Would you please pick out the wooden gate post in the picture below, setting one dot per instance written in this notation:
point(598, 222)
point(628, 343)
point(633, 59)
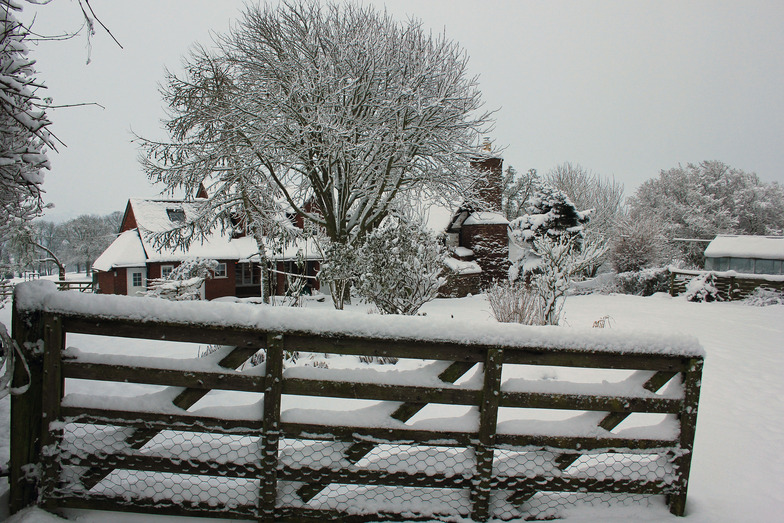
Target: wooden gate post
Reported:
point(273, 388)
point(488, 419)
point(26, 409)
point(52, 395)
point(692, 379)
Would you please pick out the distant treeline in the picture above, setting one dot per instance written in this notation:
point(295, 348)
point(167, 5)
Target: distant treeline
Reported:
point(42, 245)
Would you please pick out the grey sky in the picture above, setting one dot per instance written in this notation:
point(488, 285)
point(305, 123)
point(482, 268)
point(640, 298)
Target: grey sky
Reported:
point(623, 88)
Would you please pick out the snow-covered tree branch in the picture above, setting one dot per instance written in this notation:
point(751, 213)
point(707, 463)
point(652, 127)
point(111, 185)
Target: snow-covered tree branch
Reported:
point(24, 134)
point(701, 201)
point(333, 112)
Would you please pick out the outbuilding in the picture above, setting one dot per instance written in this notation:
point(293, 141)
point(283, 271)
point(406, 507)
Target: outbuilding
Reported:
point(745, 254)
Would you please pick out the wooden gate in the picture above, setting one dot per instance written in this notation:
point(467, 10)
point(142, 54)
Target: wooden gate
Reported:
point(260, 461)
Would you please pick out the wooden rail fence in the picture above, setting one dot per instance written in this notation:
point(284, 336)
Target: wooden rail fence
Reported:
point(730, 286)
point(263, 461)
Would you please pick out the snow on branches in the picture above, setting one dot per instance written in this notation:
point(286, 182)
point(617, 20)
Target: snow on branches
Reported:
point(400, 267)
point(336, 110)
point(184, 283)
point(24, 137)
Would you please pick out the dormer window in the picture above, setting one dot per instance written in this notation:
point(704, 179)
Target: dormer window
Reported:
point(176, 215)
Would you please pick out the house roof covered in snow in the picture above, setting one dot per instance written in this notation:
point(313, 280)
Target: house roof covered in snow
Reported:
point(731, 246)
point(158, 216)
point(485, 218)
point(125, 251)
point(135, 249)
point(145, 219)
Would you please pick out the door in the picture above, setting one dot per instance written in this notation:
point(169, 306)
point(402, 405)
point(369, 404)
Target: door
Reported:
point(137, 281)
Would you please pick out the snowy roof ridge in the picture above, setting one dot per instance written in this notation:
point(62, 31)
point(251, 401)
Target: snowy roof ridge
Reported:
point(154, 215)
point(746, 246)
point(43, 295)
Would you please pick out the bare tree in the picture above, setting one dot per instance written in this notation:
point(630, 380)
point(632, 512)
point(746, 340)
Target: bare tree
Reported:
point(334, 111)
point(588, 190)
point(518, 188)
point(86, 237)
point(34, 245)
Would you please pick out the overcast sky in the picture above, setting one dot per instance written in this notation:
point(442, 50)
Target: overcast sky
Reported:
point(623, 88)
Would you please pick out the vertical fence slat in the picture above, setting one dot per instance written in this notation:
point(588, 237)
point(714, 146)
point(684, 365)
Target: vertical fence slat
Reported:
point(488, 420)
point(688, 419)
point(271, 427)
point(54, 342)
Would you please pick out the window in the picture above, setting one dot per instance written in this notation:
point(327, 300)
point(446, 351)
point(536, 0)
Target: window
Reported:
point(220, 271)
point(765, 267)
point(176, 215)
point(742, 265)
point(245, 275)
point(136, 279)
point(166, 271)
point(717, 264)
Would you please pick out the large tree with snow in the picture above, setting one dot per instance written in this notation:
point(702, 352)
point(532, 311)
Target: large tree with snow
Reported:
point(332, 111)
point(700, 201)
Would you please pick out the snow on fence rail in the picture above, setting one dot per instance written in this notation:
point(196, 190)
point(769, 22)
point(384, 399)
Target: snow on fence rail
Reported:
point(279, 457)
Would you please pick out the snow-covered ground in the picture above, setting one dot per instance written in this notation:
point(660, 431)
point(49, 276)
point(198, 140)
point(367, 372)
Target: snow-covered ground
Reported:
point(738, 461)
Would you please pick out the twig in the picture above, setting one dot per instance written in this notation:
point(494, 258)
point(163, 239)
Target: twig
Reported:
point(87, 2)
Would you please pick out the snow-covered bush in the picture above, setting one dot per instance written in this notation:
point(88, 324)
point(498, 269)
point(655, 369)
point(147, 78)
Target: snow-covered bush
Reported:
point(645, 282)
point(338, 271)
point(763, 297)
point(589, 190)
point(638, 244)
point(702, 288)
point(551, 239)
point(550, 214)
point(515, 303)
point(400, 267)
point(559, 261)
point(184, 282)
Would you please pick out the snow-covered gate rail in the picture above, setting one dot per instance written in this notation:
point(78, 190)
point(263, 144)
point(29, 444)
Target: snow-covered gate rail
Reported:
point(157, 453)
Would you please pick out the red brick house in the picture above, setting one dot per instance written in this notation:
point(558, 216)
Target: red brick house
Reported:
point(134, 257)
point(476, 236)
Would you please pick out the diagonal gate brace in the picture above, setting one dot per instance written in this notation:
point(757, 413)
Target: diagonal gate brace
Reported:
point(184, 400)
point(404, 412)
point(609, 422)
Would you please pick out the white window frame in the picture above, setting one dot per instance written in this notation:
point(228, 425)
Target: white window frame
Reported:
point(134, 274)
point(166, 271)
point(221, 271)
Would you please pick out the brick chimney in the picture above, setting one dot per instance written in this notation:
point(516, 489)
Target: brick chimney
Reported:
point(490, 187)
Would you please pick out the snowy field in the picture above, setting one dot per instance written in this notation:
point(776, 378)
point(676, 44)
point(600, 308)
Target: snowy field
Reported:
point(738, 459)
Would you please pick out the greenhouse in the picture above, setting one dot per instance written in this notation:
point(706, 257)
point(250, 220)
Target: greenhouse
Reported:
point(746, 254)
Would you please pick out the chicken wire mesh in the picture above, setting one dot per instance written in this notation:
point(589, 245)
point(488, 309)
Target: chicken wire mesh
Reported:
point(525, 482)
point(91, 461)
point(428, 465)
